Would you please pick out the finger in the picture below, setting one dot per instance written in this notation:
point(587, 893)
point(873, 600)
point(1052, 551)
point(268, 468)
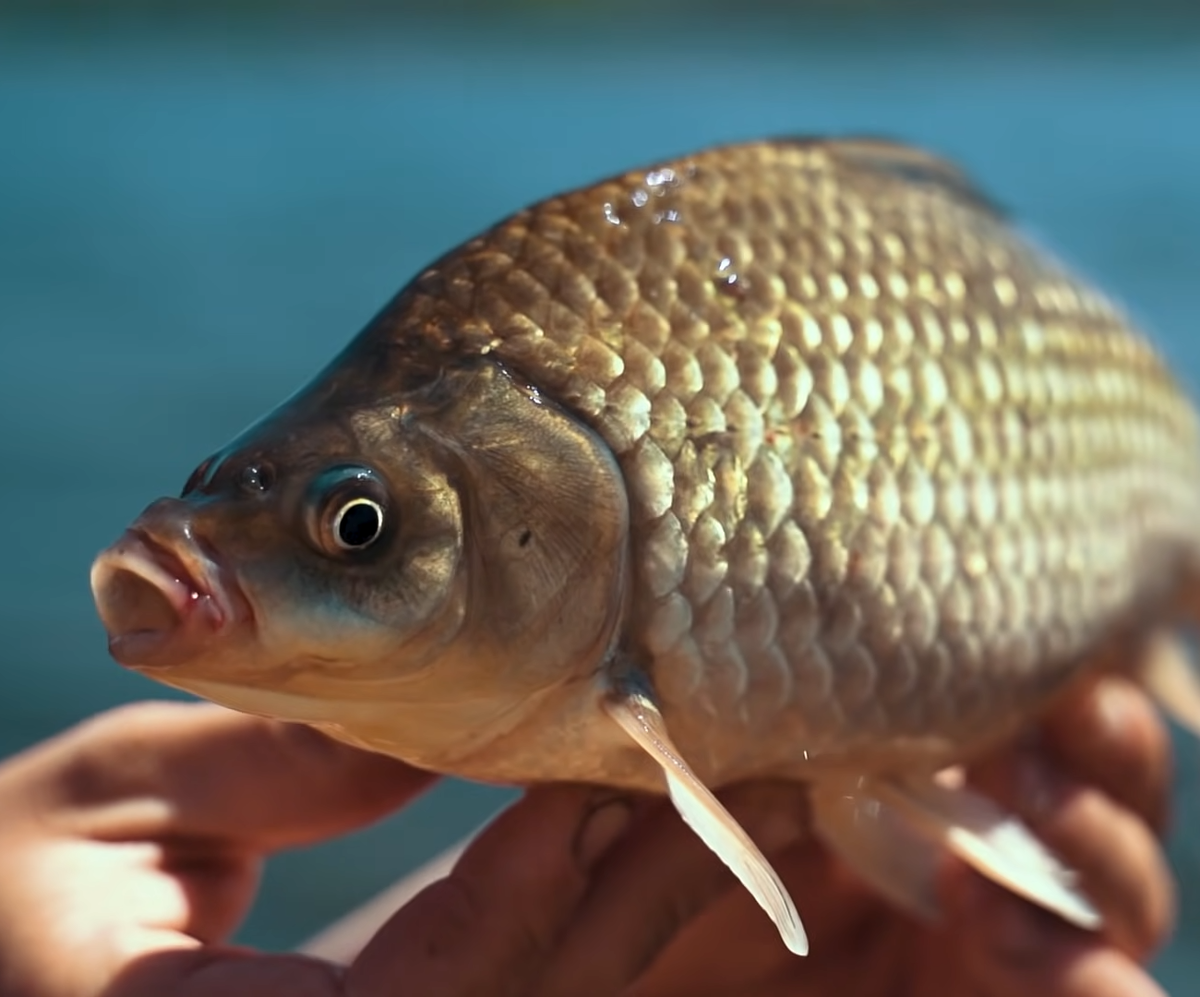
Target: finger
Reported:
point(1119, 861)
point(194, 771)
point(1110, 736)
point(1012, 949)
point(140, 962)
point(221, 972)
point(491, 925)
point(655, 883)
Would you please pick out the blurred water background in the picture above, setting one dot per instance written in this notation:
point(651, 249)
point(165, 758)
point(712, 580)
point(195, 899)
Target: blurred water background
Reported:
point(197, 210)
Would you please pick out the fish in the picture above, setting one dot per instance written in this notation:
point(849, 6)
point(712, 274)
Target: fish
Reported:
point(792, 459)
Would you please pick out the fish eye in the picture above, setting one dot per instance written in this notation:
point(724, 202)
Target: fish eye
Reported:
point(357, 524)
point(348, 510)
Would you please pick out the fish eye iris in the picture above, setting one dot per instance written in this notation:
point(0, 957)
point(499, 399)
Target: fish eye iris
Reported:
point(346, 510)
point(358, 524)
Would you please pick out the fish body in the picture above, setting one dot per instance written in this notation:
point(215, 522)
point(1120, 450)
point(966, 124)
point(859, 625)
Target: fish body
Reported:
point(792, 458)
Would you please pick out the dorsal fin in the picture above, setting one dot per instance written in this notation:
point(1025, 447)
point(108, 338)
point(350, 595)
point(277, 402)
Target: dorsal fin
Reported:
point(909, 163)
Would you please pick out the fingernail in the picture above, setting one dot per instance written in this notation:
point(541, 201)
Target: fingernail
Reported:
point(1113, 705)
point(603, 825)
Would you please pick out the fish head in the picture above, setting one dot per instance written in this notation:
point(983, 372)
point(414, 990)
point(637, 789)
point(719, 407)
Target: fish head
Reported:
point(412, 569)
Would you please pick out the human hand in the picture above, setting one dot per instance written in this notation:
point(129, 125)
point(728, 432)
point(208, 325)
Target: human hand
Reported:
point(1093, 787)
point(130, 848)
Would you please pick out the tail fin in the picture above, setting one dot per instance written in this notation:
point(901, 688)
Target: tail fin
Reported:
point(1167, 673)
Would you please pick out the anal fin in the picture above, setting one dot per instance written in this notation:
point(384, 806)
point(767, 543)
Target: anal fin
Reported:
point(936, 819)
point(634, 709)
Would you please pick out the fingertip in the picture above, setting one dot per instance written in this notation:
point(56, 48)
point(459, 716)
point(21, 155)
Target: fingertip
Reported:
point(1113, 711)
point(1015, 949)
point(1110, 734)
point(1120, 863)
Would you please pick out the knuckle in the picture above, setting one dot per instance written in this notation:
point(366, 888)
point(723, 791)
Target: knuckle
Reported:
point(450, 914)
point(136, 721)
point(511, 942)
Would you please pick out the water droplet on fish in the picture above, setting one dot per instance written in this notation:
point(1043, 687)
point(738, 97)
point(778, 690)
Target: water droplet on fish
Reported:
point(659, 180)
point(639, 198)
point(727, 282)
point(610, 214)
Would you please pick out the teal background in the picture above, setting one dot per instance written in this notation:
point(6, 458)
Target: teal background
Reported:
point(196, 211)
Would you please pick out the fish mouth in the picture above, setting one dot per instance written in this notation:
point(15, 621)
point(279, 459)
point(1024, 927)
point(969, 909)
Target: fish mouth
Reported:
point(163, 606)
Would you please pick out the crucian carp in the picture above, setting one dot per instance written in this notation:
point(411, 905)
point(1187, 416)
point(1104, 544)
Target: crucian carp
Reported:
point(788, 459)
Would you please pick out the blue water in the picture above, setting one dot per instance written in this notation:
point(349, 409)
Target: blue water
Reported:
point(193, 218)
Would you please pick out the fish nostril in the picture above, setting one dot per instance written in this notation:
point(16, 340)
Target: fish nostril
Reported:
point(132, 604)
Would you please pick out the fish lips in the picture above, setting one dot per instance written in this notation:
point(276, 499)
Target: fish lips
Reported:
point(162, 604)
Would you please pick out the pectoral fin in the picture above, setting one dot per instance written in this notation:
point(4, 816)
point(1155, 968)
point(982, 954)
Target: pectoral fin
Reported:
point(937, 819)
point(635, 710)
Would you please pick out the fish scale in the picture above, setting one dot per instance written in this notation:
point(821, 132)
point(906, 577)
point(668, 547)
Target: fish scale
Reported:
point(788, 458)
point(893, 471)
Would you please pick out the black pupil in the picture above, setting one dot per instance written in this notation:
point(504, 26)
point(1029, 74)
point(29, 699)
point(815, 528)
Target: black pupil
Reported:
point(359, 525)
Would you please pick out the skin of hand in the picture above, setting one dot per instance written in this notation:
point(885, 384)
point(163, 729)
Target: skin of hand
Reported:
point(130, 849)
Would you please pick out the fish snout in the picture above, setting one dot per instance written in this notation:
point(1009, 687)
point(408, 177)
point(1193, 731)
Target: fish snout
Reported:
point(160, 592)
